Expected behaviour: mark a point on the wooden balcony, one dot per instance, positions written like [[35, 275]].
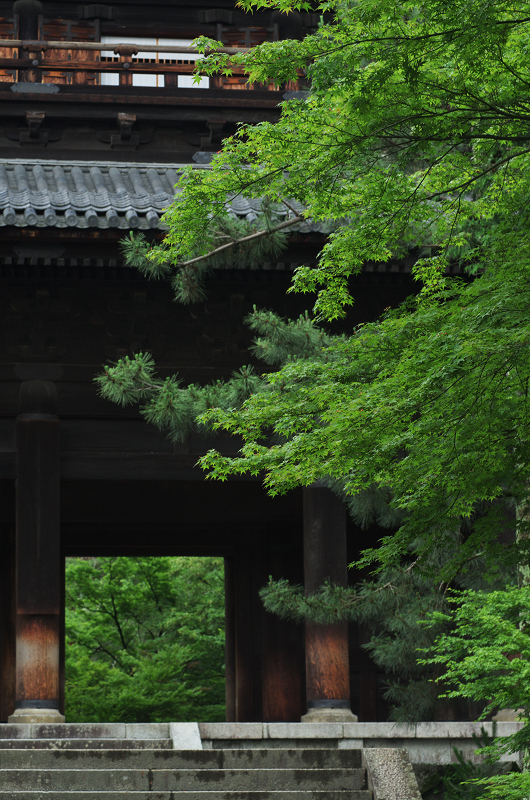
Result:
[[82, 69]]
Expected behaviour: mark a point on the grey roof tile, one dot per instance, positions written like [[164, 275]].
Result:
[[106, 195]]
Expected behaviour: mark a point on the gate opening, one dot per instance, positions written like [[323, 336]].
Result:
[[145, 639]]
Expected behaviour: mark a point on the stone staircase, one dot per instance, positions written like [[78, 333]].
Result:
[[178, 761], [60, 769]]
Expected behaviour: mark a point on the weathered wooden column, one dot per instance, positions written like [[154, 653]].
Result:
[[38, 565], [7, 621], [282, 642], [282, 670], [242, 686], [230, 641], [326, 646]]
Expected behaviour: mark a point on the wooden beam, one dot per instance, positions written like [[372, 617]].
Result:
[[121, 95], [137, 66], [33, 45]]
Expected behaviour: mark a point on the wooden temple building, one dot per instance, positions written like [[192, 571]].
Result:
[[91, 142]]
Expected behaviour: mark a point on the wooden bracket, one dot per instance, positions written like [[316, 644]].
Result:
[[126, 50], [215, 137], [34, 133], [34, 120], [125, 122], [125, 136]]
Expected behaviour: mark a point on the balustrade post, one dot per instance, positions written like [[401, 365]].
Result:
[[28, 12]]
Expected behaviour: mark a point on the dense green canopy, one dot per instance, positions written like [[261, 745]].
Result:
[[413, 136], [144, 639]]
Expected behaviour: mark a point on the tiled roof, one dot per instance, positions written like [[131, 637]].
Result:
[[80, 194]]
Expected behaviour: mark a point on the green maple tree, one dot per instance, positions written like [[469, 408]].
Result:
[[412, 137], [144, 639]]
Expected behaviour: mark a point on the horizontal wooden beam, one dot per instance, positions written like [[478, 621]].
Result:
[[32, 45], [93, 549], [122, 466], [216, 99], [134, 466], [132, 65]]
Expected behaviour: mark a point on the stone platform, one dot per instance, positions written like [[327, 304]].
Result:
[[425, 742]]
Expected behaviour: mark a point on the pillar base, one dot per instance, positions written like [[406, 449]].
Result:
[[329, 715], [508, 715], [39, 716]]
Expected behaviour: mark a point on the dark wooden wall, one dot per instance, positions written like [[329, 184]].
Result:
[[126, 490]]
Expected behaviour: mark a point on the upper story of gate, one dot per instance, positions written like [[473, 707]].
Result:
[[127, 69]]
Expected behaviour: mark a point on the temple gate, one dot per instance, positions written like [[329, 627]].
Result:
[[93, 132]]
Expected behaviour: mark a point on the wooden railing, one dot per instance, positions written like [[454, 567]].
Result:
[[47, 61], [82, 62]]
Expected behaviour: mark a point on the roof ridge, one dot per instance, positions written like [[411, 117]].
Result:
[[47, 162]]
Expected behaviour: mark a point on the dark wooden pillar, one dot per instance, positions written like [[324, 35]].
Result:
[[264, 655], [230, 642], [282, 675], [7, 621], [38, 557], [326, 646], [244, 638], [282, 644], [28, 12]]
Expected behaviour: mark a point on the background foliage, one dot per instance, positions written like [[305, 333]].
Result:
[[485, 655], [144, 639]]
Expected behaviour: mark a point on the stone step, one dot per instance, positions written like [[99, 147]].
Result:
[[225, 780], [87, 730], [153, 758], [194, 795], [86, 744]]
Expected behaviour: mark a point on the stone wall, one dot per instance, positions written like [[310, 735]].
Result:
[[425, 742]]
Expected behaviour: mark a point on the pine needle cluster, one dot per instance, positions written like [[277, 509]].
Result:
[[179, 410], [173, 408], [229, 242], [279, 341]]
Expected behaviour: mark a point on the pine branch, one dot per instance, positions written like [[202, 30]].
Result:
[[330, 604], [227, 239], [252, 237]]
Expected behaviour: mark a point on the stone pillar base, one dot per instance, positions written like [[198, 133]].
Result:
[[508, 715], [329, 715], [37, 716]]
